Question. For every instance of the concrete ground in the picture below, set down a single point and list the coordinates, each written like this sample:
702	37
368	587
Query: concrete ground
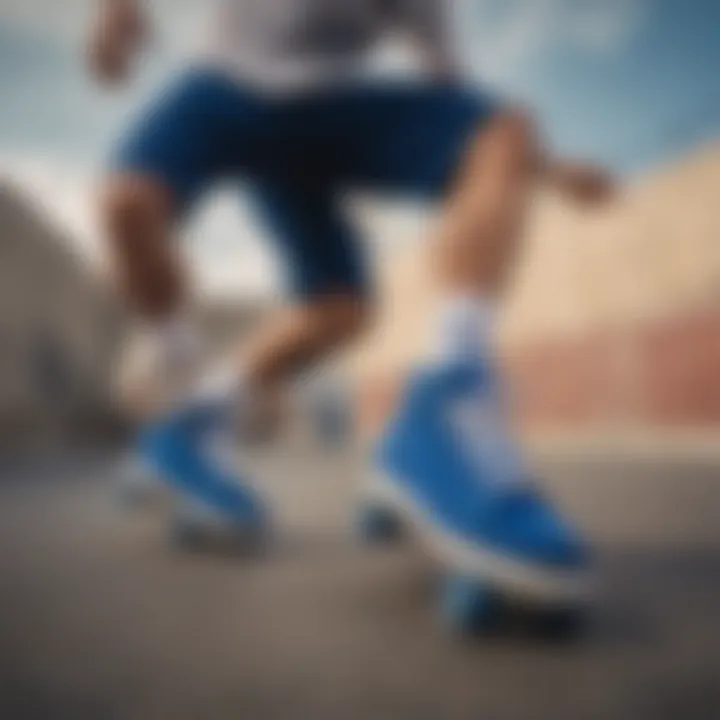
100	619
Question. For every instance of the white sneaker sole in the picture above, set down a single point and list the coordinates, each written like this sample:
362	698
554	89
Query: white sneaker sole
512	576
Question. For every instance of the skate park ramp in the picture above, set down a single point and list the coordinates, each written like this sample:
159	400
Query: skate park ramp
100	618
60	331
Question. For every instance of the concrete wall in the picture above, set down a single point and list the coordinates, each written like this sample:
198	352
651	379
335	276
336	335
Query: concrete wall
59	331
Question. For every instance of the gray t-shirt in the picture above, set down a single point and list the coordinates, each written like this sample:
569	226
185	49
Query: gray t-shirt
291	44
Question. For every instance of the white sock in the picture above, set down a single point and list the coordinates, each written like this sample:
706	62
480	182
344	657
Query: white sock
466	327
222	384
177	341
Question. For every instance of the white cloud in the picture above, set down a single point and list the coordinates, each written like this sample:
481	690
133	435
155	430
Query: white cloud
506	36
608	25
69	20
510	30
45	18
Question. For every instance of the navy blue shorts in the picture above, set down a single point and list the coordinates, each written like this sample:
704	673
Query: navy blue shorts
301	156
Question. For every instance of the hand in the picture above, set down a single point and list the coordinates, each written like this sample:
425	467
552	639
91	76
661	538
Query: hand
119	31
585	184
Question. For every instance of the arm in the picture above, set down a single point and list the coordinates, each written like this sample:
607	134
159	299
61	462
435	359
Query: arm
119	32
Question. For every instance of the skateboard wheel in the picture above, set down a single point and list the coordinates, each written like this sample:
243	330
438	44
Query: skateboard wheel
377	524
562	624
186	534
468	606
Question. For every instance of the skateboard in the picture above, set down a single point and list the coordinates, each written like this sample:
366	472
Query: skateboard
479	599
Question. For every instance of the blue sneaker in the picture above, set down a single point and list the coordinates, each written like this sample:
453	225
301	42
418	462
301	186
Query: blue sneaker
181	448
449	466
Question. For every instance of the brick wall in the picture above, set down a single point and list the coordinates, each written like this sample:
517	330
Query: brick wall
662	373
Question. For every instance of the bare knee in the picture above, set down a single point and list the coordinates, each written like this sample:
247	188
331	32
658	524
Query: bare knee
132	207
136	216
509	145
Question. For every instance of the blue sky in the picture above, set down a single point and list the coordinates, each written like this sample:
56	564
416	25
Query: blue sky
650	96
630	83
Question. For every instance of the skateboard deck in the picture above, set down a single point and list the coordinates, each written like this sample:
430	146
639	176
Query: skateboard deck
478	598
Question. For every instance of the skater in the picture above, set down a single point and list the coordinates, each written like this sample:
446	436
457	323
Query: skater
276	97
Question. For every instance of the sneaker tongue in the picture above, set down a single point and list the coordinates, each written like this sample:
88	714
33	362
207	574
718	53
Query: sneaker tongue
482	427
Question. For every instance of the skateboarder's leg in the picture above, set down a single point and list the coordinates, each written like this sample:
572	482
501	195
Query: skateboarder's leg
328	301
203	128
326	275
188	139
328	309
451	145
483	219
451	460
